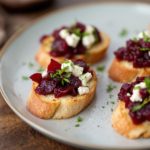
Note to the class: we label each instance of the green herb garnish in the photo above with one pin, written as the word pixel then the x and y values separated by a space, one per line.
pixel 100 68
pixel 136 87
pixel 123 32
pixel 145 49
pixel 30 64
pixel 79 119
pixel 76 31
pixel 141 105
pixel 110 88
pixel 147 82
pixel 85 34
pixel 146 37
pixel 77 125
pixel 62 76
pixel 112 102
pixel 25 78
pixel 40 69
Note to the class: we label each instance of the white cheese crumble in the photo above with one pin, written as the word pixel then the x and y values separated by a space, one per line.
pixel 68 66
pixel 44 73
pixel 85 78
pixel 140 35
pixel 64 33
pixel 128 94
pixel 88 40
pixel 136 97
pixel 89 29
pixel 77 70
pixel 83 90
pixel 149 53
pixel 72 40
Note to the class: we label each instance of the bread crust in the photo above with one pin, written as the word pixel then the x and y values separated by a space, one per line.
pixel 123 71
pixel 59 108
pixel 123 124
pixel 92 55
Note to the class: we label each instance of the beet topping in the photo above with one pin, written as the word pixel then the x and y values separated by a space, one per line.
pixel 138 111
pixel 61 48
pixel 57 81
pixel 135 51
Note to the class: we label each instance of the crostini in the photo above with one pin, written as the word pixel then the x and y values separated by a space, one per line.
pixel 132 60
pixel 63 90
pixel 131 118
pixel 78 41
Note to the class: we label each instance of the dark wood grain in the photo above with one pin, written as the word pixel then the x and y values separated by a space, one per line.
pixel 17 135
pixel 14 133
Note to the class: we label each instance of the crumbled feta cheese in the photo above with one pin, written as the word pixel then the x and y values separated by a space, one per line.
pixel 85 78
pixel 72 40
pixel 77 70
pixel 68 65
pixel 128 94
pixel 83 90
pixel 89 29
pixel 64 33
pixel 88 40
pixel 44 73
pixel 149 53
pixel 136 97
pixel 140 35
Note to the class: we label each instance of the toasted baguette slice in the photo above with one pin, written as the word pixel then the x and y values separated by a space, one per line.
pixel 123 124
pixel 59 108
pixel 123 71
pixel 93 55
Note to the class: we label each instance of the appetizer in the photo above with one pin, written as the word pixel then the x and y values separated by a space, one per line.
pixel 132 60
pixel 63 90
pixel 78 41
pixel 131 118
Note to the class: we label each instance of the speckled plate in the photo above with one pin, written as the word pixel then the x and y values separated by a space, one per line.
pixel 17 62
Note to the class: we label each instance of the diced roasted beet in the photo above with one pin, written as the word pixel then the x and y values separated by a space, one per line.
pixel 37 77
pixel 55 33
pixel 132 52
pixel 46 87
pixel 142 114
pixel 82 63
pixel 60 46
pixel 62 91
pixel 75 81
pixel 53 66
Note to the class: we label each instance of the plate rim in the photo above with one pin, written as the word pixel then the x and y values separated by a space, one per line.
pixel 23 28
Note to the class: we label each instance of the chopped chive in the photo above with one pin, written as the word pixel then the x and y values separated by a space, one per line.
pixel 30 64
pixel 112 110
pixel 25 78
pixel 77 125
pixel 79 119
pixel 112 102
pixel 40 69
pixel 123 32
pixel 103 107
pixel 100 68
pixel 140 106
pixel 110 88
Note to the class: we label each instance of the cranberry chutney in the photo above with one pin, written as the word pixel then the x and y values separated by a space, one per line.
pixel 68 78
pixel 73 40
pixel 136 51
pixel 136 96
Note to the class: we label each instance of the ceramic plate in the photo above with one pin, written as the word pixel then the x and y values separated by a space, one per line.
pixel 17 62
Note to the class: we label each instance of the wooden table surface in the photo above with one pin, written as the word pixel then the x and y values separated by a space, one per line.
pixel 14 133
